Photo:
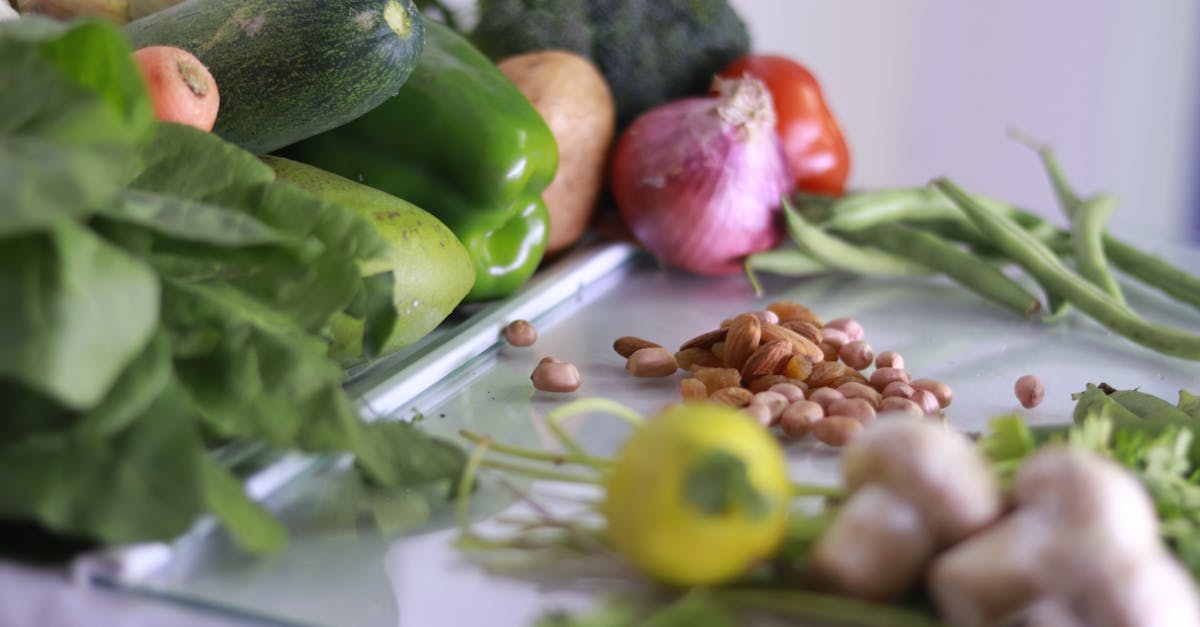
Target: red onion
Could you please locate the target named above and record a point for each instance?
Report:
(699, 181)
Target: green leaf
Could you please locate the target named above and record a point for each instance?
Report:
(1008, 439)
(81, 311)
(42, 182)
(1190, 404)
(395, 453)
(189, 163)
(78, 83)
(717, 485)
(143, 483)
(192, 220)
(1095, 403)
(251, 525)
(378, 312)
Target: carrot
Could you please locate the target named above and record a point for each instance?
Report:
(181, 88)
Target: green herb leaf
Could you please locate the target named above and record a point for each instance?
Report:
(81, 310)
(252, 526)
(395, 453)
(192, 220)
(141, 484)
(717, 485)
(1189, 404)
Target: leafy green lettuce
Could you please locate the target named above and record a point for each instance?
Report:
(163, 295)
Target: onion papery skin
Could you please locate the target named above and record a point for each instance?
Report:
(701, 189)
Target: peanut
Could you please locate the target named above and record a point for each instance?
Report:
(889, 359)
(1029, 391)
(553, 375)
(855, 389)
(790, 391)
(900, 404)
(926, 400)
(883, 376)
(851, 327)
(825, 396)
(857, 354)
(859, 409)
(520, 333)
(773, 401)
(940, 391)
(799, 417)
(836, 430)
(836, 338)
(760, 413)
(898, 388)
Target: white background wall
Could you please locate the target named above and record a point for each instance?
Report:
(930, 87)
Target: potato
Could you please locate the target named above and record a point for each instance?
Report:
(578, 106)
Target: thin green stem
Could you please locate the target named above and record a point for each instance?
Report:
(466, 483)
(812, 489)
(540, 473)
(555, 419)
(535, 455)
(1087, 237)
(814, 606)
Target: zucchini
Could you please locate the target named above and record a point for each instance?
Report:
(289, 69)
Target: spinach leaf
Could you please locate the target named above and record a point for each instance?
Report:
(396, 453)
(191, 220)
(251, 525)
(80, 311)
(144, 483)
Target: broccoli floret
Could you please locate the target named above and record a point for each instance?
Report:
(651, 51)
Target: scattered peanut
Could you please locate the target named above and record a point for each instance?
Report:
(836, 430)
(883, 376)
(900, 404)
(851, 327)
(926, 400)
(857, 354)
(836, 338)
(799, 417)
(520, 333)
(761, 414)
(651, 362)
(899, 389)
(774, 401)
(859, 409)
(790, 391)
(889, 359)
(554, 375)
(855, 389)
(940, 390)
(1029, 391)
(825, 396)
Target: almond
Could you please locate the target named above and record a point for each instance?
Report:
(804, 328)
(769, 358)
(800, 344)
(628, 345)
(742, 340)
(705, 340)
(792, 310)
(825, 373)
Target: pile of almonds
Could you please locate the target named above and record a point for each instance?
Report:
(789, 369)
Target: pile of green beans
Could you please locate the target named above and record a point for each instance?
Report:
(973, 239)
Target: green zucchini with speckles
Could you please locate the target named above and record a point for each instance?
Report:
(289, 69)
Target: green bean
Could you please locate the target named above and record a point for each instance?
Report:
(1039, 261)
(781, 261)
(969, 271)
(1151, 270)
(861, 210)
(836, 253)
(1087, 238)
(1087, 218)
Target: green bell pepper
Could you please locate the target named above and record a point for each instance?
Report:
(462, 142)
